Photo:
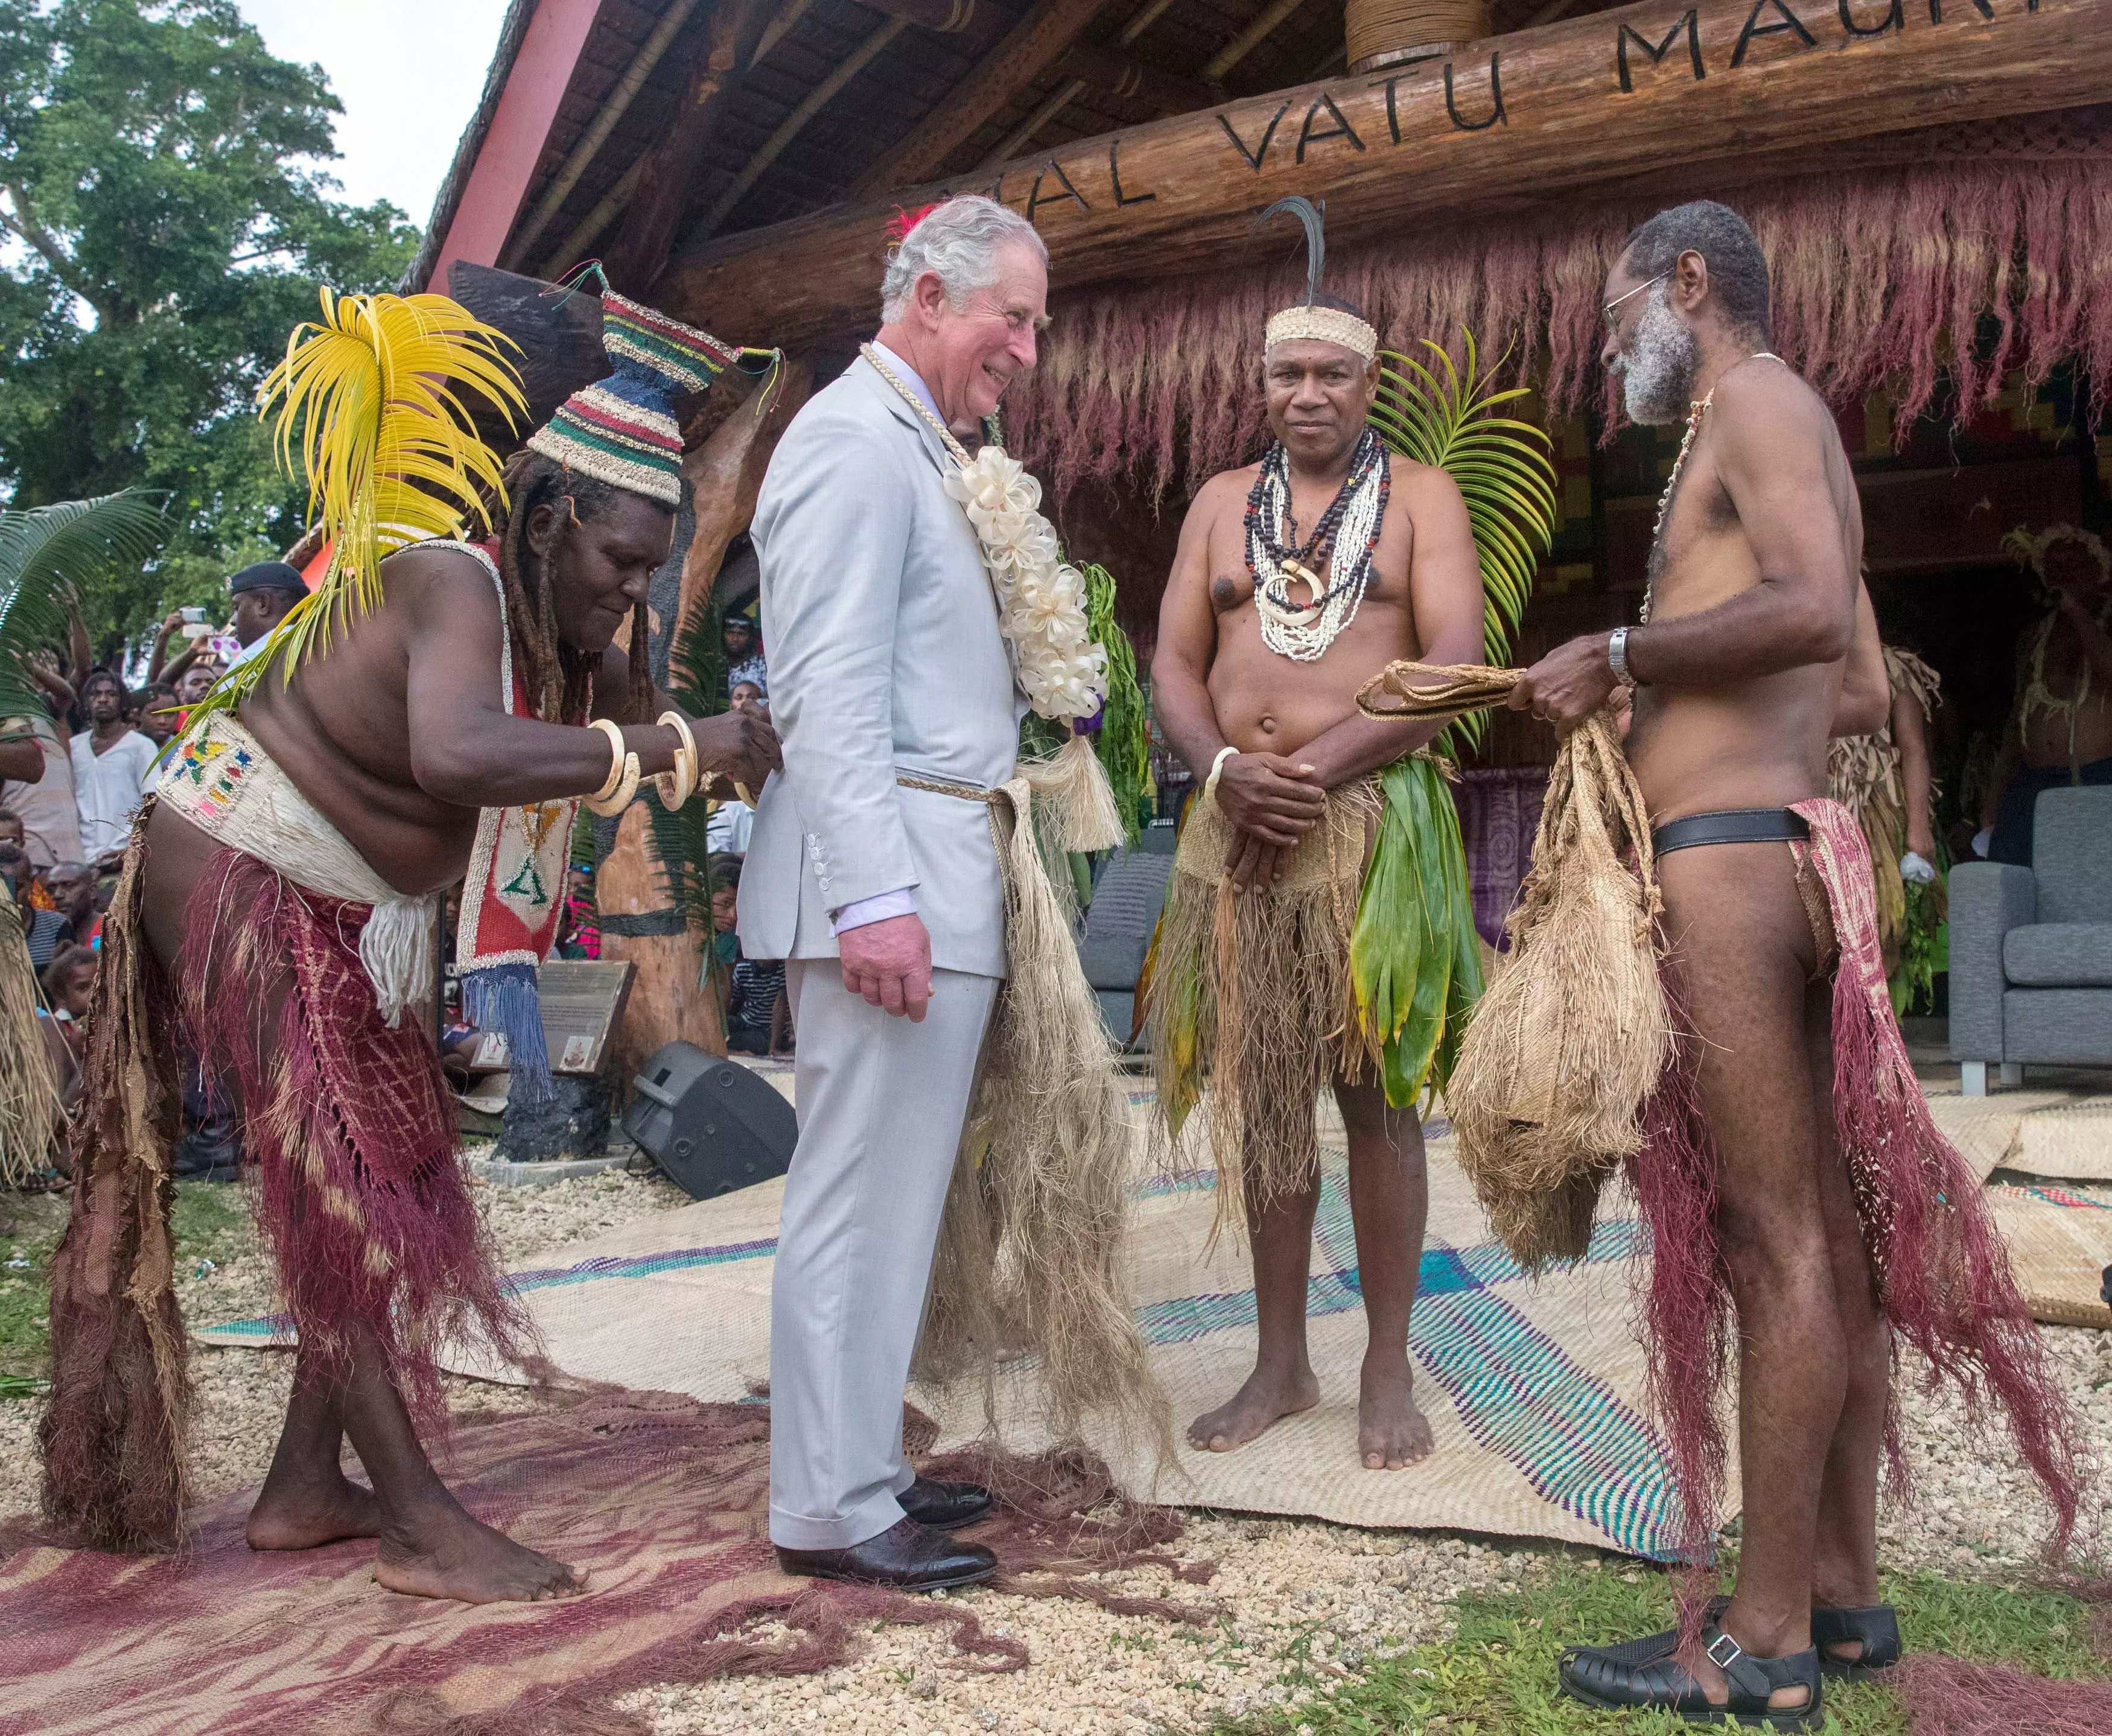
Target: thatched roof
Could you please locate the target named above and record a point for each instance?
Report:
(887, 101)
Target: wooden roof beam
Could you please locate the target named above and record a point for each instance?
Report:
(1120, 74)
(792, 125)
(1021, 136)
(1222, 62)
(1019, 58)
(1526, 119)
(654, 192)
(613, 110)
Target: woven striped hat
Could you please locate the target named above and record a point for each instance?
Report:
(622, 430)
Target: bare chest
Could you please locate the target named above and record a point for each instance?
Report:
(1699, 554)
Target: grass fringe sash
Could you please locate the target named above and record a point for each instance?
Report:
(31, 1111)
(1029, 1248)
(1945, 1284)
(112, 1430)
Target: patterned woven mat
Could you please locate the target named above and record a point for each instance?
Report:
(1534, 1390)
(2060, 1243)
(661, 1502)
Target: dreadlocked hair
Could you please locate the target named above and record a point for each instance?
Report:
(559, 680)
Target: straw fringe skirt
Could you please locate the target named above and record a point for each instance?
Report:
(1252, 993)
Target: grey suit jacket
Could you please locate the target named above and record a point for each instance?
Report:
(885, 657)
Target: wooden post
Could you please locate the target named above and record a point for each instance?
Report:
(725, 475)
(670, 999)
(1509, 121)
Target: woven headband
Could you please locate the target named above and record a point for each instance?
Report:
(1323, 325)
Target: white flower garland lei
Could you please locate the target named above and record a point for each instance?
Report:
(1041, 597)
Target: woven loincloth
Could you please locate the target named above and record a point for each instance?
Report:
(1943, 1276)
(350, 1134)
(1251, 992)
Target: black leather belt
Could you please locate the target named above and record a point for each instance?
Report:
(1730, 825)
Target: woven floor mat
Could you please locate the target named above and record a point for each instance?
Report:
(2060, 1244)
(1534, 1390)
(1986, 1130)
(661, 1501)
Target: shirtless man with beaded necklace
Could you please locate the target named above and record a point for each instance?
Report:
(1756, 644)
(1297, 580)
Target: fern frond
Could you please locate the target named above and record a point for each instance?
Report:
(46, 554)
(368, 408)
(1439, 414)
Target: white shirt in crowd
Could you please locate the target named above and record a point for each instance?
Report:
(109, 787)
(726, 832)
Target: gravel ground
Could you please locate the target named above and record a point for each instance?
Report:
(240, 1395)
(1293, 1604)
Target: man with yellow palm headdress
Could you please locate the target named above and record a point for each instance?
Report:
(429, 716)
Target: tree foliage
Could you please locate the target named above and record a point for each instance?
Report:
(163, 221)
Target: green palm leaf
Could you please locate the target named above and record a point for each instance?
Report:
(696, 681)
(1441, 416)
(46, 554)
(1123, 741)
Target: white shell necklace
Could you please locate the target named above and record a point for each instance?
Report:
(1303, 631)
(1696, 412)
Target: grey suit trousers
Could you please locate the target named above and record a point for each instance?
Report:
(881, 1102)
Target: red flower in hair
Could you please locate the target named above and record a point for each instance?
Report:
(898, 229)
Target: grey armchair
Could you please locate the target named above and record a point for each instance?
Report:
(2031, 948)
(1119, 924)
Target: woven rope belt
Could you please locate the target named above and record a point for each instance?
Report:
(940, 786)
(995, 802)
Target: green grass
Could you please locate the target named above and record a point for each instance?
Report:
(30, 1225)
(212, 1222)
(1497, 1678)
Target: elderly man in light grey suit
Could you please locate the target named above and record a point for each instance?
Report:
(886, 662)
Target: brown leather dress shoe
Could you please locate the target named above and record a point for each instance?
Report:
(945, 1506)
(908, 1556)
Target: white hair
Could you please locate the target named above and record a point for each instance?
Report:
(958, 239)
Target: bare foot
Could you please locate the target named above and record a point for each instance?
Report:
(291, 1516)
(1264, 1400)
(445, 1553)
(1391, 1433)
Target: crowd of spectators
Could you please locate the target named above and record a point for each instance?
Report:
(73, 774)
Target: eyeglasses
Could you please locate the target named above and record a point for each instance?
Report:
(1612, 309)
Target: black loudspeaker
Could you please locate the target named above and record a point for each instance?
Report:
(712, 1124)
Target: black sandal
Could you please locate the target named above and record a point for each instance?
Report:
(1643, 1674)
(1877, 1628)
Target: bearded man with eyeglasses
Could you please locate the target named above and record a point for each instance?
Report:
(1804, 1210)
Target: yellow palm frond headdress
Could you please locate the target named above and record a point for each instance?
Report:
(369, 404)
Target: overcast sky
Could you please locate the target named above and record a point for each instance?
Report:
(408, 72)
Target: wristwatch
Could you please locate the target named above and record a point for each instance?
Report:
(1617, 657)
